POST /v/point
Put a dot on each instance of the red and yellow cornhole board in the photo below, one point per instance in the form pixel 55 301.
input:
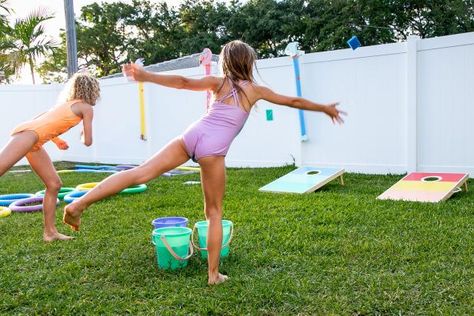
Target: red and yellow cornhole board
pixel 426 187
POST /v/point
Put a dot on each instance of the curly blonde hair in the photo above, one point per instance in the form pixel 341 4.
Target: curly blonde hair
pixel 81 86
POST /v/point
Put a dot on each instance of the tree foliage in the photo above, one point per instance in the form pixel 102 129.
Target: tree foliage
pixel 25 42
pixel 54 68
pixel 6 69
pixel 110 34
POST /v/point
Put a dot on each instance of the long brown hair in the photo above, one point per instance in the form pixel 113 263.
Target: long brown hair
pixel 237 61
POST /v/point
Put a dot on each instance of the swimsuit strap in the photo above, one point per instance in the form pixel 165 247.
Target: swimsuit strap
pixel 233 92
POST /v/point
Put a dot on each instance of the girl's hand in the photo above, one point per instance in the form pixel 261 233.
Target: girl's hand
pixel 334 113
pixel 62 145
pixel 134 71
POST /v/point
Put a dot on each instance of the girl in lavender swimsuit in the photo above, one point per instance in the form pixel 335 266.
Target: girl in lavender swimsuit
pixel 206 141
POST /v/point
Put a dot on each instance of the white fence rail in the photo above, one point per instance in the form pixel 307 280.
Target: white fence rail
pixel 410 108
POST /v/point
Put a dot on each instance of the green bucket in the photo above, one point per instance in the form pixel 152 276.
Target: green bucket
pixel 173 247
pixel 227 232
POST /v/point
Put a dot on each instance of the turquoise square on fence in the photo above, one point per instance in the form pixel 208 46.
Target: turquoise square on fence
pixel 269 115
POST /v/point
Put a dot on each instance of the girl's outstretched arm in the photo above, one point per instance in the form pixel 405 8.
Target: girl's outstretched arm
pixel 301 103
pixel 137 73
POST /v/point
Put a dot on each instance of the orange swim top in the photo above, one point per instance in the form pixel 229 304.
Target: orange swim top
pixel 51 124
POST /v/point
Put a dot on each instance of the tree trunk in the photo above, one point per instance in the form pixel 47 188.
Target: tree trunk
pixel 32 69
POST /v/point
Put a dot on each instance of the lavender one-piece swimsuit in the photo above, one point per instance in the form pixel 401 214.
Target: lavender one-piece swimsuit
pixel 213 133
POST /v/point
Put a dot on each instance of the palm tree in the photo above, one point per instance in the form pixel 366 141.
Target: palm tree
pixel 27 41
pixel 3 31
pixel 3 18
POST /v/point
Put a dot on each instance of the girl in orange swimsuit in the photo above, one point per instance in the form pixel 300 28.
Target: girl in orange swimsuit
pixel 79 95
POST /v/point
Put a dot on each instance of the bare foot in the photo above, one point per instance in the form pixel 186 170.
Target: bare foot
pixel 220 278
pixel 72 216
pixel 56 236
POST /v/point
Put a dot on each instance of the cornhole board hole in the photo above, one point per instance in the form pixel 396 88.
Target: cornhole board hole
pixel 426 187
pixel 304 180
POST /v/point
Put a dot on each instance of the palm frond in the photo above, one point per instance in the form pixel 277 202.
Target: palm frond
pixel 27 40
pixel 4 7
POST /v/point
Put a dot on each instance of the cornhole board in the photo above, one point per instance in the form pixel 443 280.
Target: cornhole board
pixel 426 187
pixel 304 180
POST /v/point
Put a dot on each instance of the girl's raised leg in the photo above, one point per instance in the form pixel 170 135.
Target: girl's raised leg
pixel 213 186
pixel 43 167
pixel 170 157
pixel 18 146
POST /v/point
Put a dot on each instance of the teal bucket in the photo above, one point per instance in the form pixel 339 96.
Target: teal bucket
pixel 173 247
pixel 227 232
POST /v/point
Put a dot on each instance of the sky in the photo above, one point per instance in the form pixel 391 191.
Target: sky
pixel 23 7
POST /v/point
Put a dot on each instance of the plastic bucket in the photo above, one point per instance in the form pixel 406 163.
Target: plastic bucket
pixel 161 222
pixel 173 247
pixel 227 232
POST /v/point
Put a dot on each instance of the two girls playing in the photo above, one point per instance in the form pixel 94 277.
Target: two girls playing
pixel 205 141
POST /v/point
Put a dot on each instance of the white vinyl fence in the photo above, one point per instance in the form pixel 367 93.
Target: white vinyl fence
pixel 410 108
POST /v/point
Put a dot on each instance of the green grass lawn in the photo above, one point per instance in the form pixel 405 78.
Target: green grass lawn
pixel 336 251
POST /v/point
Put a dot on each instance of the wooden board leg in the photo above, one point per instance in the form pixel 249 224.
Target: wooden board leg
pixel 342 179
pixel 465 185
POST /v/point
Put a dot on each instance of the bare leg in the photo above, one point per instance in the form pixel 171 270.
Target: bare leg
pixel 18 146
pixel 42 165
pixel 171 156
pixel 213 186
